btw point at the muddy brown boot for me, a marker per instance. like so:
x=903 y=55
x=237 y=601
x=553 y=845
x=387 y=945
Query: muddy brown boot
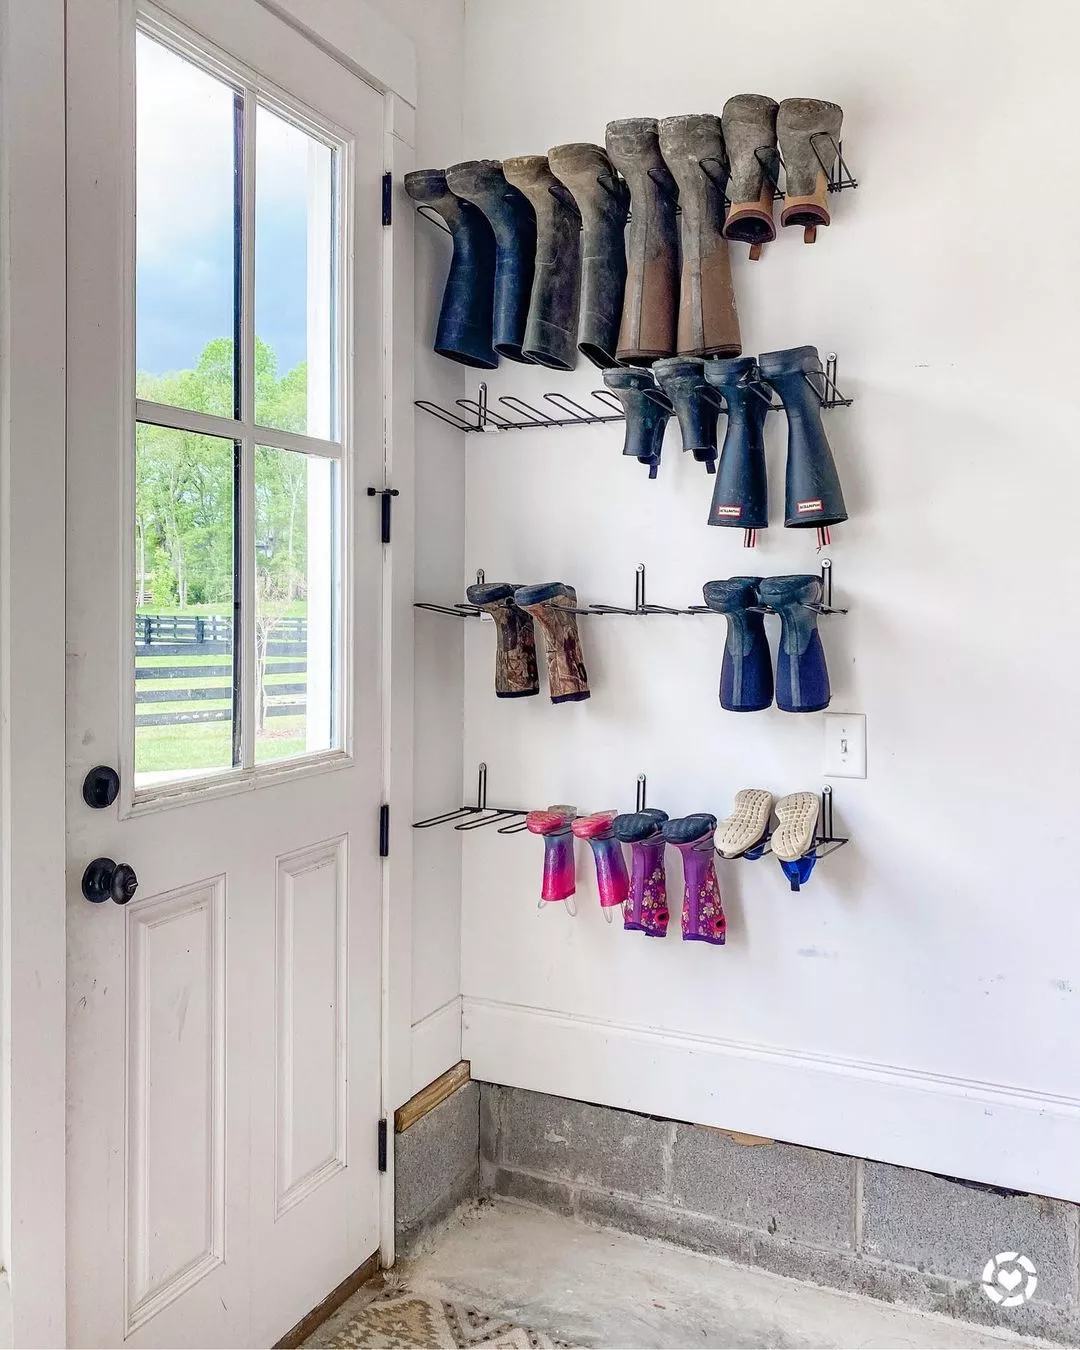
x=749 y=123
x=604 y=201
x=809 y=134
x=516 y=675
x=551 y=330
x=693 y=149
x=513 y=222
x=552 y=606
x=650 y=303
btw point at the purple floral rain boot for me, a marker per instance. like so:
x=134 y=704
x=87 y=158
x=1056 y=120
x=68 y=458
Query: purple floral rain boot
x=560 y=881
x=646 y=908
x=703 y=913
x=612 y=880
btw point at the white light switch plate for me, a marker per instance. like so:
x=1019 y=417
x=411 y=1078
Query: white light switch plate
x=845 y=745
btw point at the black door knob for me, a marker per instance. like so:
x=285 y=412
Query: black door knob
x=108 y=880
x=100 y=787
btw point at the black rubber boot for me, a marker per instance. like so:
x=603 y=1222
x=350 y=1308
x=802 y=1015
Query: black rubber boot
x=746 y=677
x=808 y=130
x=749 y=124
x=646 y=418
x=651 y=302
x=693 y=149
x=813 y=494
x=464 y=329
x=741 y=493
x=802 y=677
x=604 y=201
x=513 y=222
x=682 y=379
x=551 y=329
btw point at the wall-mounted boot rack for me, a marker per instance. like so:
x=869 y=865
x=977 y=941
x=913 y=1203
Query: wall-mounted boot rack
x=825 y=840
x=641 y=605
x=476 y=817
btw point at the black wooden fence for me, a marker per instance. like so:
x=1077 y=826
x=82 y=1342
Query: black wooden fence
x=195 y=636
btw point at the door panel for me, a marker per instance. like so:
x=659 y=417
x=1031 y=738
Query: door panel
x=223 y=1027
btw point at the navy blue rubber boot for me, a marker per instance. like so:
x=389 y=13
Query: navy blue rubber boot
x=746 y=677
x=464 y=330
x=741 y=492
x=802 y=677
x=682 y=379
x=513 y=222
x=812 y=486
x=646 y=419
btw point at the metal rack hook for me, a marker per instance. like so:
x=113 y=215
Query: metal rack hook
x=838 y=174
x=429 y=213
x=720 y=178
x=771 y=161
x=443 y=415
x=664 y=181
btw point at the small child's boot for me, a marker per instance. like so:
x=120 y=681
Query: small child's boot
x=703 y=913
x=560 y=879
x=612 y=880
x=646 y=908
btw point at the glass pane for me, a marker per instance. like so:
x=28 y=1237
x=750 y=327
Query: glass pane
x=295 y=380
x=297 y=604
x=185 y=585
x=185 y=270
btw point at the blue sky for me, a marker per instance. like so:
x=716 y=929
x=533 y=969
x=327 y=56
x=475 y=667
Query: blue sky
x=185 y=228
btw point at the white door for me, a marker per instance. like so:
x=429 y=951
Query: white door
x=224 y=654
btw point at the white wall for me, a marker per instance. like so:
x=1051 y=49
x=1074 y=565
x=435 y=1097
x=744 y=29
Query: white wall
x=919 y=1001
x=437 y=29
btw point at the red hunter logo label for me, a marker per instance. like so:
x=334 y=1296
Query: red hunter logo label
x=734 y=511
x=815 y=505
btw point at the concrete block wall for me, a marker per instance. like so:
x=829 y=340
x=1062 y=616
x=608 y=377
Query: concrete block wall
x=849 y=1223
x=436 y=1166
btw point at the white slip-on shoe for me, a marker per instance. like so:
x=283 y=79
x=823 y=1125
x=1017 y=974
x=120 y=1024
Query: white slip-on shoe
x=797 y=816
x=747 y=825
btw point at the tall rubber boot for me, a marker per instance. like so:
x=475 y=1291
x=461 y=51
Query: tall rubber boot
x=703 y=911
x=552 y=606
x=749 y=124
x=682 y=380
x=513 y=222
x=646 y=908
x=516 y=675
x=809 y=133
x=812 y=485
x=802 y=677
x=612 y=880
x=464 y=328
x=741 y=492
x=604 y=202
x=651 y=301
x=746 y=678
x=645 y=417
x=551 y=328
x=554 y=824
x=693 y=149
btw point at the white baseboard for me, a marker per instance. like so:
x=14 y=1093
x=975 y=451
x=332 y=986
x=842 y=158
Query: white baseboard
x=977 y=1131
x=436 y=1044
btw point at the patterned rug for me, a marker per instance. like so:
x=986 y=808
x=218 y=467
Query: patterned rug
x=411 y=1320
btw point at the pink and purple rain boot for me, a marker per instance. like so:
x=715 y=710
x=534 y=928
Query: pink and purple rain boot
x=646 y=908
x=560 y=880
x=612 y=880
x=703 y=913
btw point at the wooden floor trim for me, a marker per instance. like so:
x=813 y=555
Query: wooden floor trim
x=330 y=1304
x=427 y=1099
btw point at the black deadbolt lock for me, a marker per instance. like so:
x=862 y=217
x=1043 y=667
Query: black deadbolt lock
x=100 y=787
x=107 y=880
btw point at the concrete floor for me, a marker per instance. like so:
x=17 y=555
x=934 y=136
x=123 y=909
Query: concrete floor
x=589 y=1287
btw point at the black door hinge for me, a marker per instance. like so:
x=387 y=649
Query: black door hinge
x=382 y=1145
x=384 y=831
x=387 y=199
x=386 y=494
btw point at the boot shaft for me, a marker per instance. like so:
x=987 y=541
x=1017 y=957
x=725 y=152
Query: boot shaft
x=746 y=678
x=808 y=130
x=646 y=909
x=703 y=917
x=551 y=605
x=646 y=418
x=802 y=676
x=682 y=380
x=603 y=200
x=650 y=303
x=516 y=673
x=741 y=493
x=814 y=497
x=749 y=127
x=551 y=328
x=513 y=223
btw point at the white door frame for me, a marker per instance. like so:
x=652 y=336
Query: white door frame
x=33 y=449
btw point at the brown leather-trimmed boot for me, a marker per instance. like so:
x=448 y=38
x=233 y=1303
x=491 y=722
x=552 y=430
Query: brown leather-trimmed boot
x=809 y=133
x=693 y=149
x=650 y=303
x=551 y=328
x=552 y=605
x=603 y=200
x=749 y=124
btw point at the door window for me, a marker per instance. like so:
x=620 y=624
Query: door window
x=239 y=452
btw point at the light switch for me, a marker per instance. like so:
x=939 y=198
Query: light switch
x=845 y=745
